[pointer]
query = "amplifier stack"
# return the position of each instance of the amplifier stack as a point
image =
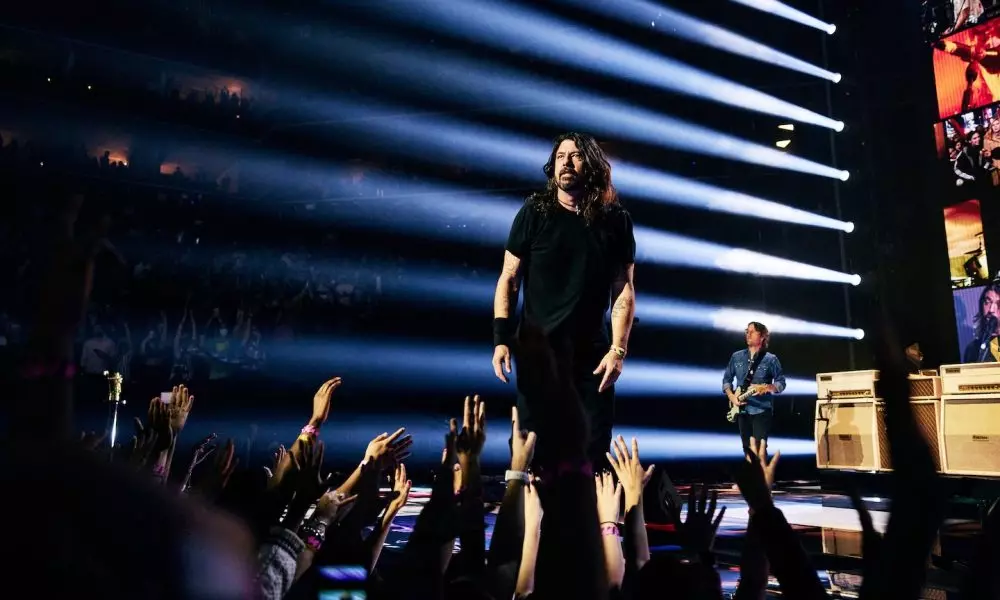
(957, 413)
(970, 419)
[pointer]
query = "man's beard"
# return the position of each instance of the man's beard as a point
(571, 184)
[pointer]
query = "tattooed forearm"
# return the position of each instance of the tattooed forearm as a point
(623, 309)
(505, 299)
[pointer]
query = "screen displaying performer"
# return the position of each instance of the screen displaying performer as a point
(977, 316)
(944, 17)
(573, 248)
(968, 147)
(963, 228)
(967, 69)
(752, 378)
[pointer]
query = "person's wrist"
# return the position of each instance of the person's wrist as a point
(520, 464)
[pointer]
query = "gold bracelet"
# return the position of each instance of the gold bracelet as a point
(619, 352)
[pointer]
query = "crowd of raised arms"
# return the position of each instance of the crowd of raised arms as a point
(144, 525)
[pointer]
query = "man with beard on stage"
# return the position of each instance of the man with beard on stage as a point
(572, 246)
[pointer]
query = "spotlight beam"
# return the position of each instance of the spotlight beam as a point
(429, 366)
(686, 27)
(557, 41)
(660, 247)
(450, 76)
(779, 9)
(429, 136)
(659, 311)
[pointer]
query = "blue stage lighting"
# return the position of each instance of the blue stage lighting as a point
(646, 183)
(686, 27)
(558, 41)
(420, 365)
(455, 78)
(658, 311)
(521, 157)
(670, 249)
(780, 9)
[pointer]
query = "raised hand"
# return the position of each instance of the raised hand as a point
(400, 492)
(609, 498)
(279, 465)
(629, 470)
(333, 507)
(143, 445)
(523, 444)
(698, 531)
(322, 401)
(387, 450)
(158, 419)
(755, 476)
(472, 437)
(310, 482)
(215, 479)
(179, 408)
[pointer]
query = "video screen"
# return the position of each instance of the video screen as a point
(945, 17)
(967, 69)
(977, 319)
(968, 147)
(963, 227)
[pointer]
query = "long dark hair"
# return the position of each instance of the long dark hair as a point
(599, 193)
(980, 320)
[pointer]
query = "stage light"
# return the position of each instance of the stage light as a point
(838, 126)
(560, 42)
(691, 29)
(849, 228)
(421, 365)
(783, 143)
(456, 79)
(836, 79)
(856, 280)
(426, 137)
(660, 247)
(860, 334)
(639, 182)
(845, 175)
(787, 127)
(667, 312)
(785, 11)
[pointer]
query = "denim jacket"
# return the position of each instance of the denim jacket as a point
(769, 371)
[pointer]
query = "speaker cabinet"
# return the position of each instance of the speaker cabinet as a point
(927, 414)
(970, 435)
(845, 433)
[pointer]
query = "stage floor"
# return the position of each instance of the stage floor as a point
(828, 528)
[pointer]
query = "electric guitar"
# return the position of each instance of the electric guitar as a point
(740, 397)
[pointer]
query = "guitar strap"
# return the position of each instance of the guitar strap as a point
(753, 369)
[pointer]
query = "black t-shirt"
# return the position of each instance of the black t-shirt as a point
(568, 267)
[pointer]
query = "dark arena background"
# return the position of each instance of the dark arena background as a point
(292, 191)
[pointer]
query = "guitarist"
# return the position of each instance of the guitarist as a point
(757, 369)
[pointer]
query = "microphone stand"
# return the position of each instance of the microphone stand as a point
(115, 400)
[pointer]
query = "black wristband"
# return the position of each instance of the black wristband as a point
(503, 331)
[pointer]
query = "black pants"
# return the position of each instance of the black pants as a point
(556, 369)
(758, 426)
